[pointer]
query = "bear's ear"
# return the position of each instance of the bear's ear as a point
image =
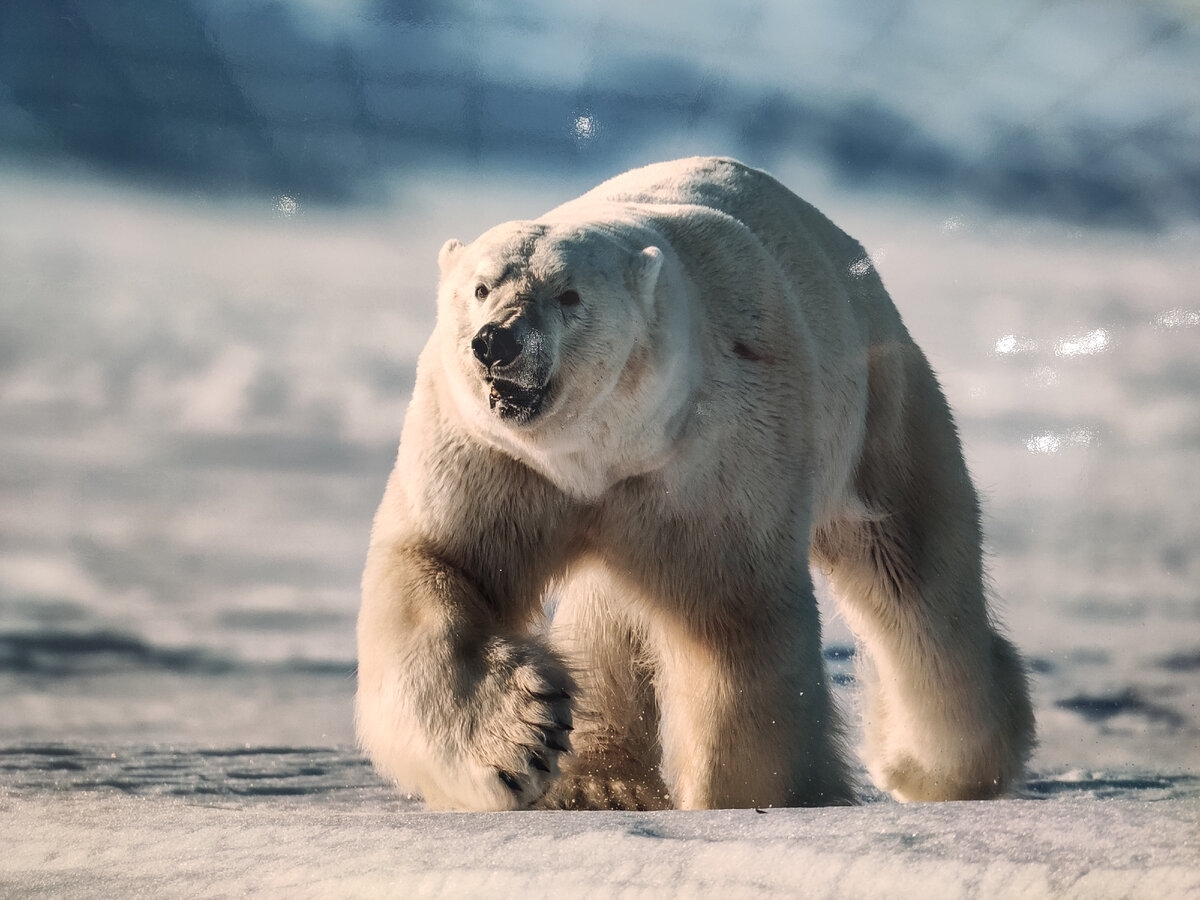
(447, 255)
(648, 265)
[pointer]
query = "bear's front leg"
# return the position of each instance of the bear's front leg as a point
(450, 705)
(747, 718)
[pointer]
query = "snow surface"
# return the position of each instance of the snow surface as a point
(199, 406)
(1073, 846)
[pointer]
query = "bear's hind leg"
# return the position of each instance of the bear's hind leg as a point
(615, 761)
(947, 707)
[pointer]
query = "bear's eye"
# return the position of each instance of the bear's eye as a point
(481, 292)
(569, 298)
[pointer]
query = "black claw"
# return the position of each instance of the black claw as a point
(510, 781)
(538, 763)
(554, 743)
(543, 727)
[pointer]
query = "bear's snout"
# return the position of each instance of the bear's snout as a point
(516, 370)
(499, 345)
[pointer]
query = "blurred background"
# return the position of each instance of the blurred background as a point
(218, 228)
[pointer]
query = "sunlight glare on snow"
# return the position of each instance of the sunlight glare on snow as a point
(1096, 341)
(1177, 318)
(1047, 442)
(1012, 345)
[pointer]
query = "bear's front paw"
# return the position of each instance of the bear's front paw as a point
(521, 723)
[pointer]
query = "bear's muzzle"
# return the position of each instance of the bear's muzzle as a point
(514, 366)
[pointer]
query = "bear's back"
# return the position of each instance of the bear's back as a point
(773, 213)
(828, 268)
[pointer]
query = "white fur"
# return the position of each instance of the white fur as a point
(721, 393)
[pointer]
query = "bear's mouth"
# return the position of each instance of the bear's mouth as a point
(514, 402)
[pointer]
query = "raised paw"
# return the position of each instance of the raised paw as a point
(521, 712)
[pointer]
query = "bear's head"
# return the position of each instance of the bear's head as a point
(542, 324)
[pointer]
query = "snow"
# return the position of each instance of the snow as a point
(191, 454)
(199, 407)
(363, 844)
(313, 822)
(200, 401)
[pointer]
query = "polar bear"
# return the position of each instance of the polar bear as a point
(655, 407)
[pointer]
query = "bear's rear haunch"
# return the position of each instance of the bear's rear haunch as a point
(659, 404)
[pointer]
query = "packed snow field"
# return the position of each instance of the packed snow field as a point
(199, 406)
(303, 822)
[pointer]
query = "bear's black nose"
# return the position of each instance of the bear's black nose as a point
(495, 345)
